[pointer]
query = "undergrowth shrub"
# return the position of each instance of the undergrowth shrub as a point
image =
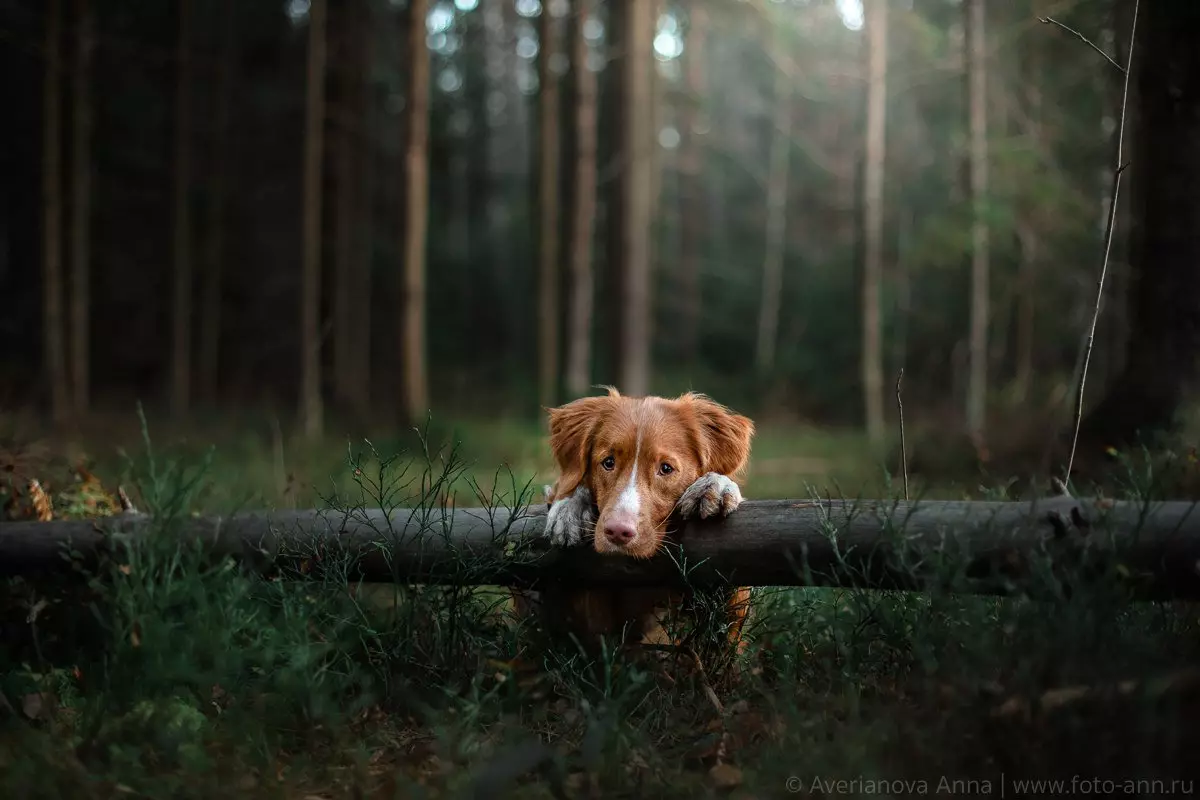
(165, 670)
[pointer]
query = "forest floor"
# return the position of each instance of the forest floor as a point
(164, 675)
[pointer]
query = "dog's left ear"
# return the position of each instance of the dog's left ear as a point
(724, 436)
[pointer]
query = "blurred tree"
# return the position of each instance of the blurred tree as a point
(980, 290)
(548, 208)
(364, 232)
(1029, 219)
(477, 80)
(416, 204)
(181, 308)
(311, 408)
(1160, 360)
(634, 32)
(52, 282)
(211, 281)
(81, 208)
(583, 207)
(691, 160)
(876, 150)
(777, 194)
(348, 143)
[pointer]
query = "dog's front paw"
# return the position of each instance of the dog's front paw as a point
(570, 518)
(710, 495)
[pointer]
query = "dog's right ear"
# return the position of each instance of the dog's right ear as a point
(572, 427)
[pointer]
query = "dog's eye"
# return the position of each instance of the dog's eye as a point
(608, 463)
(665, 469)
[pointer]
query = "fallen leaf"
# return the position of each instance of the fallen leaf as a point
(725, 776)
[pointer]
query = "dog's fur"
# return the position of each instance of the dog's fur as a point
(626, 465)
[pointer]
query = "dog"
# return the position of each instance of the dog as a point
(626, 466)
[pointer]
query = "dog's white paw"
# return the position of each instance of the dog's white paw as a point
(710, 495)
(570, 518)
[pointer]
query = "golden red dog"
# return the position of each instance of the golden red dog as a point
(626, 466)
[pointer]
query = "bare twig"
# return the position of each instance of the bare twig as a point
(1108, 236)
(903, 448)
(1085, 40)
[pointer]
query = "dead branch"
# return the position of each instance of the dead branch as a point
(1108, 236)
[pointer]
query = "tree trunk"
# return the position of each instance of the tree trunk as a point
(978, 349)
(695, 208)
(416, 182)
(635, 188)
(583, 206)
(365, 251)
(876, 149)
(344, 265)
(656, 159)
(311, 411)
(1029, 224)
(479, 57)
(81, 210)
(181, 316)
(1160, 363)
(997, 547)
(52, 280)
(548, 210)
(210, 301)
(777, 191)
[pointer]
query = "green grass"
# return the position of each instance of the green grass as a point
(166, 674)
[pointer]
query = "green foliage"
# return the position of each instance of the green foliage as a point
(194, 675)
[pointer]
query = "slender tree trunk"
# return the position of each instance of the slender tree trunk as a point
(876, 149)
(636, 186)
(479, 58)
(52, 279)
(1160, 364)
(416, 181)
(365, 252)
(181, 317)
(344, 266)
(980, 299)
(583, 207)
(695, 207)
(656, 162)
(210, 301)
(777, 193)
(548, 210)
(311, 410)
(1030, 242)
(81, 210)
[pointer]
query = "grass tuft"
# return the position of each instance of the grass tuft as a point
(166, 672)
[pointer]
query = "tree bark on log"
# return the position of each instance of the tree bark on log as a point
(868, 543)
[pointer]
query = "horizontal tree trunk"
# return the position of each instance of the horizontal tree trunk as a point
(765, 543)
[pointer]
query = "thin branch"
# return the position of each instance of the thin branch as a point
(1108, 236)
(1085, 40)
(903, 448)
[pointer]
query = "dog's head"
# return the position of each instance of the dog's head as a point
(638, 455)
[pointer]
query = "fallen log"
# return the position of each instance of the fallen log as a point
(976, 547)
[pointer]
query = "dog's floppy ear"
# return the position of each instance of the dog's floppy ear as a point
(572, 427)
(724, 437)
